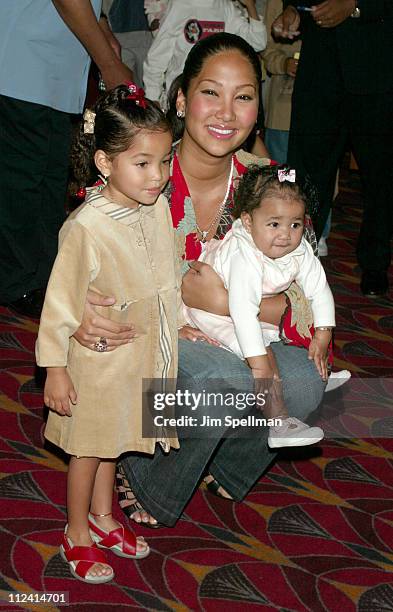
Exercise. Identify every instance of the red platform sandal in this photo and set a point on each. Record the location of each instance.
(121, 541)
(82, 558)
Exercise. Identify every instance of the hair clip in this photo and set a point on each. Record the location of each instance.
(88, 121)
(81, 193)
(136, 94)
(286, 175)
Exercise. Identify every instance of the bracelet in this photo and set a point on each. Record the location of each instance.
(323, 329)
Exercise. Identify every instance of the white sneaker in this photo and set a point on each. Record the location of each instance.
(293, 432)
(323, 250)
(336, 379)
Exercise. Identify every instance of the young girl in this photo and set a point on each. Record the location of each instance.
(120, 242)
(260, 257)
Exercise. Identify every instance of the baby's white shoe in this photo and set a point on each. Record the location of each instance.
(336, 379)
(293, 432)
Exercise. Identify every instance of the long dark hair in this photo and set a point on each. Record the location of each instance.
(118, 119)
(205, 48)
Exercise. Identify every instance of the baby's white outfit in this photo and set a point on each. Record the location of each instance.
(249, 275)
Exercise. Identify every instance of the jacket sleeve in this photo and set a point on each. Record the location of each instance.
(312, 279)
(274, 55)
(76, 265)
(160, 53)
(155, 9)
(253, 31)
(244, 284)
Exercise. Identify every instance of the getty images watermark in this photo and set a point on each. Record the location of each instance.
(360, 409)
(207, 410)
(192, 400)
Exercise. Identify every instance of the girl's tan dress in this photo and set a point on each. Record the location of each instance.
(129, 254)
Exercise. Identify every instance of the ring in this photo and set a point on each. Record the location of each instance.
(319, 22)
(101, 345)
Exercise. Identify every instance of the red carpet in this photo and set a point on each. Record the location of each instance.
(316, 534)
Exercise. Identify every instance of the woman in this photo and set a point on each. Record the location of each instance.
(216, 109)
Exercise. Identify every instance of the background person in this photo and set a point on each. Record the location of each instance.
(346, 95)
(184, 23)
(44, 65)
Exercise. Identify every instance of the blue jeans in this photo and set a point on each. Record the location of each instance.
(276, 142)
(163, 484)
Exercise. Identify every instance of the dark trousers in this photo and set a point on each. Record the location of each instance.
(34, 149)
(325, 118)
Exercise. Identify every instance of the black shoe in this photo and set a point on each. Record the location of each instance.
(29, 305)
(374, 283)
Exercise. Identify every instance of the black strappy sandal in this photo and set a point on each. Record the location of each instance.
(128, 502)
(214, 487)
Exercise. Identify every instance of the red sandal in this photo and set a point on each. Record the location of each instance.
(121, 541)
(82, 558)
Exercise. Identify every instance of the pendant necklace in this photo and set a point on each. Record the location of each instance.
(204, 233)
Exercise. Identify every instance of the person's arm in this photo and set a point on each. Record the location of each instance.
(155, 11)
(202, 288)
(275, 55)
(76, 265)
(287, 24)
(160, 53)
(112, 40)
(79, 16)
(251, 9)
(331, 13)
(253, 31)
(312, 279)
(243, 277)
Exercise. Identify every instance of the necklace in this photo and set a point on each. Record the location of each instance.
(204, 233)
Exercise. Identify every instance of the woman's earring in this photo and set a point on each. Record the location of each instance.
(180, 114)
(104, 178)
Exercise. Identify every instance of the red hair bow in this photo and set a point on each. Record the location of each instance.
(137, 94)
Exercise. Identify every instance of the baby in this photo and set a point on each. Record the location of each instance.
(261, 256)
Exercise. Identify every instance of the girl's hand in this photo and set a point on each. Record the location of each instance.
(202, 288)
(95, 326)
(191, 333)
(291, 66)
(59, 391)
(287, 24)
(251, 8)
(318, 351)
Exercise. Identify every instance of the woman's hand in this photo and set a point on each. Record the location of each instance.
(59, 391)
(191, 333)
(95, 326)
(318, 351)
(202, 288)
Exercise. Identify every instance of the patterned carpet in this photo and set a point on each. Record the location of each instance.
(316, 534)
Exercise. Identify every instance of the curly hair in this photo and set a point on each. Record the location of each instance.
(118, 119)
(261, 182)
